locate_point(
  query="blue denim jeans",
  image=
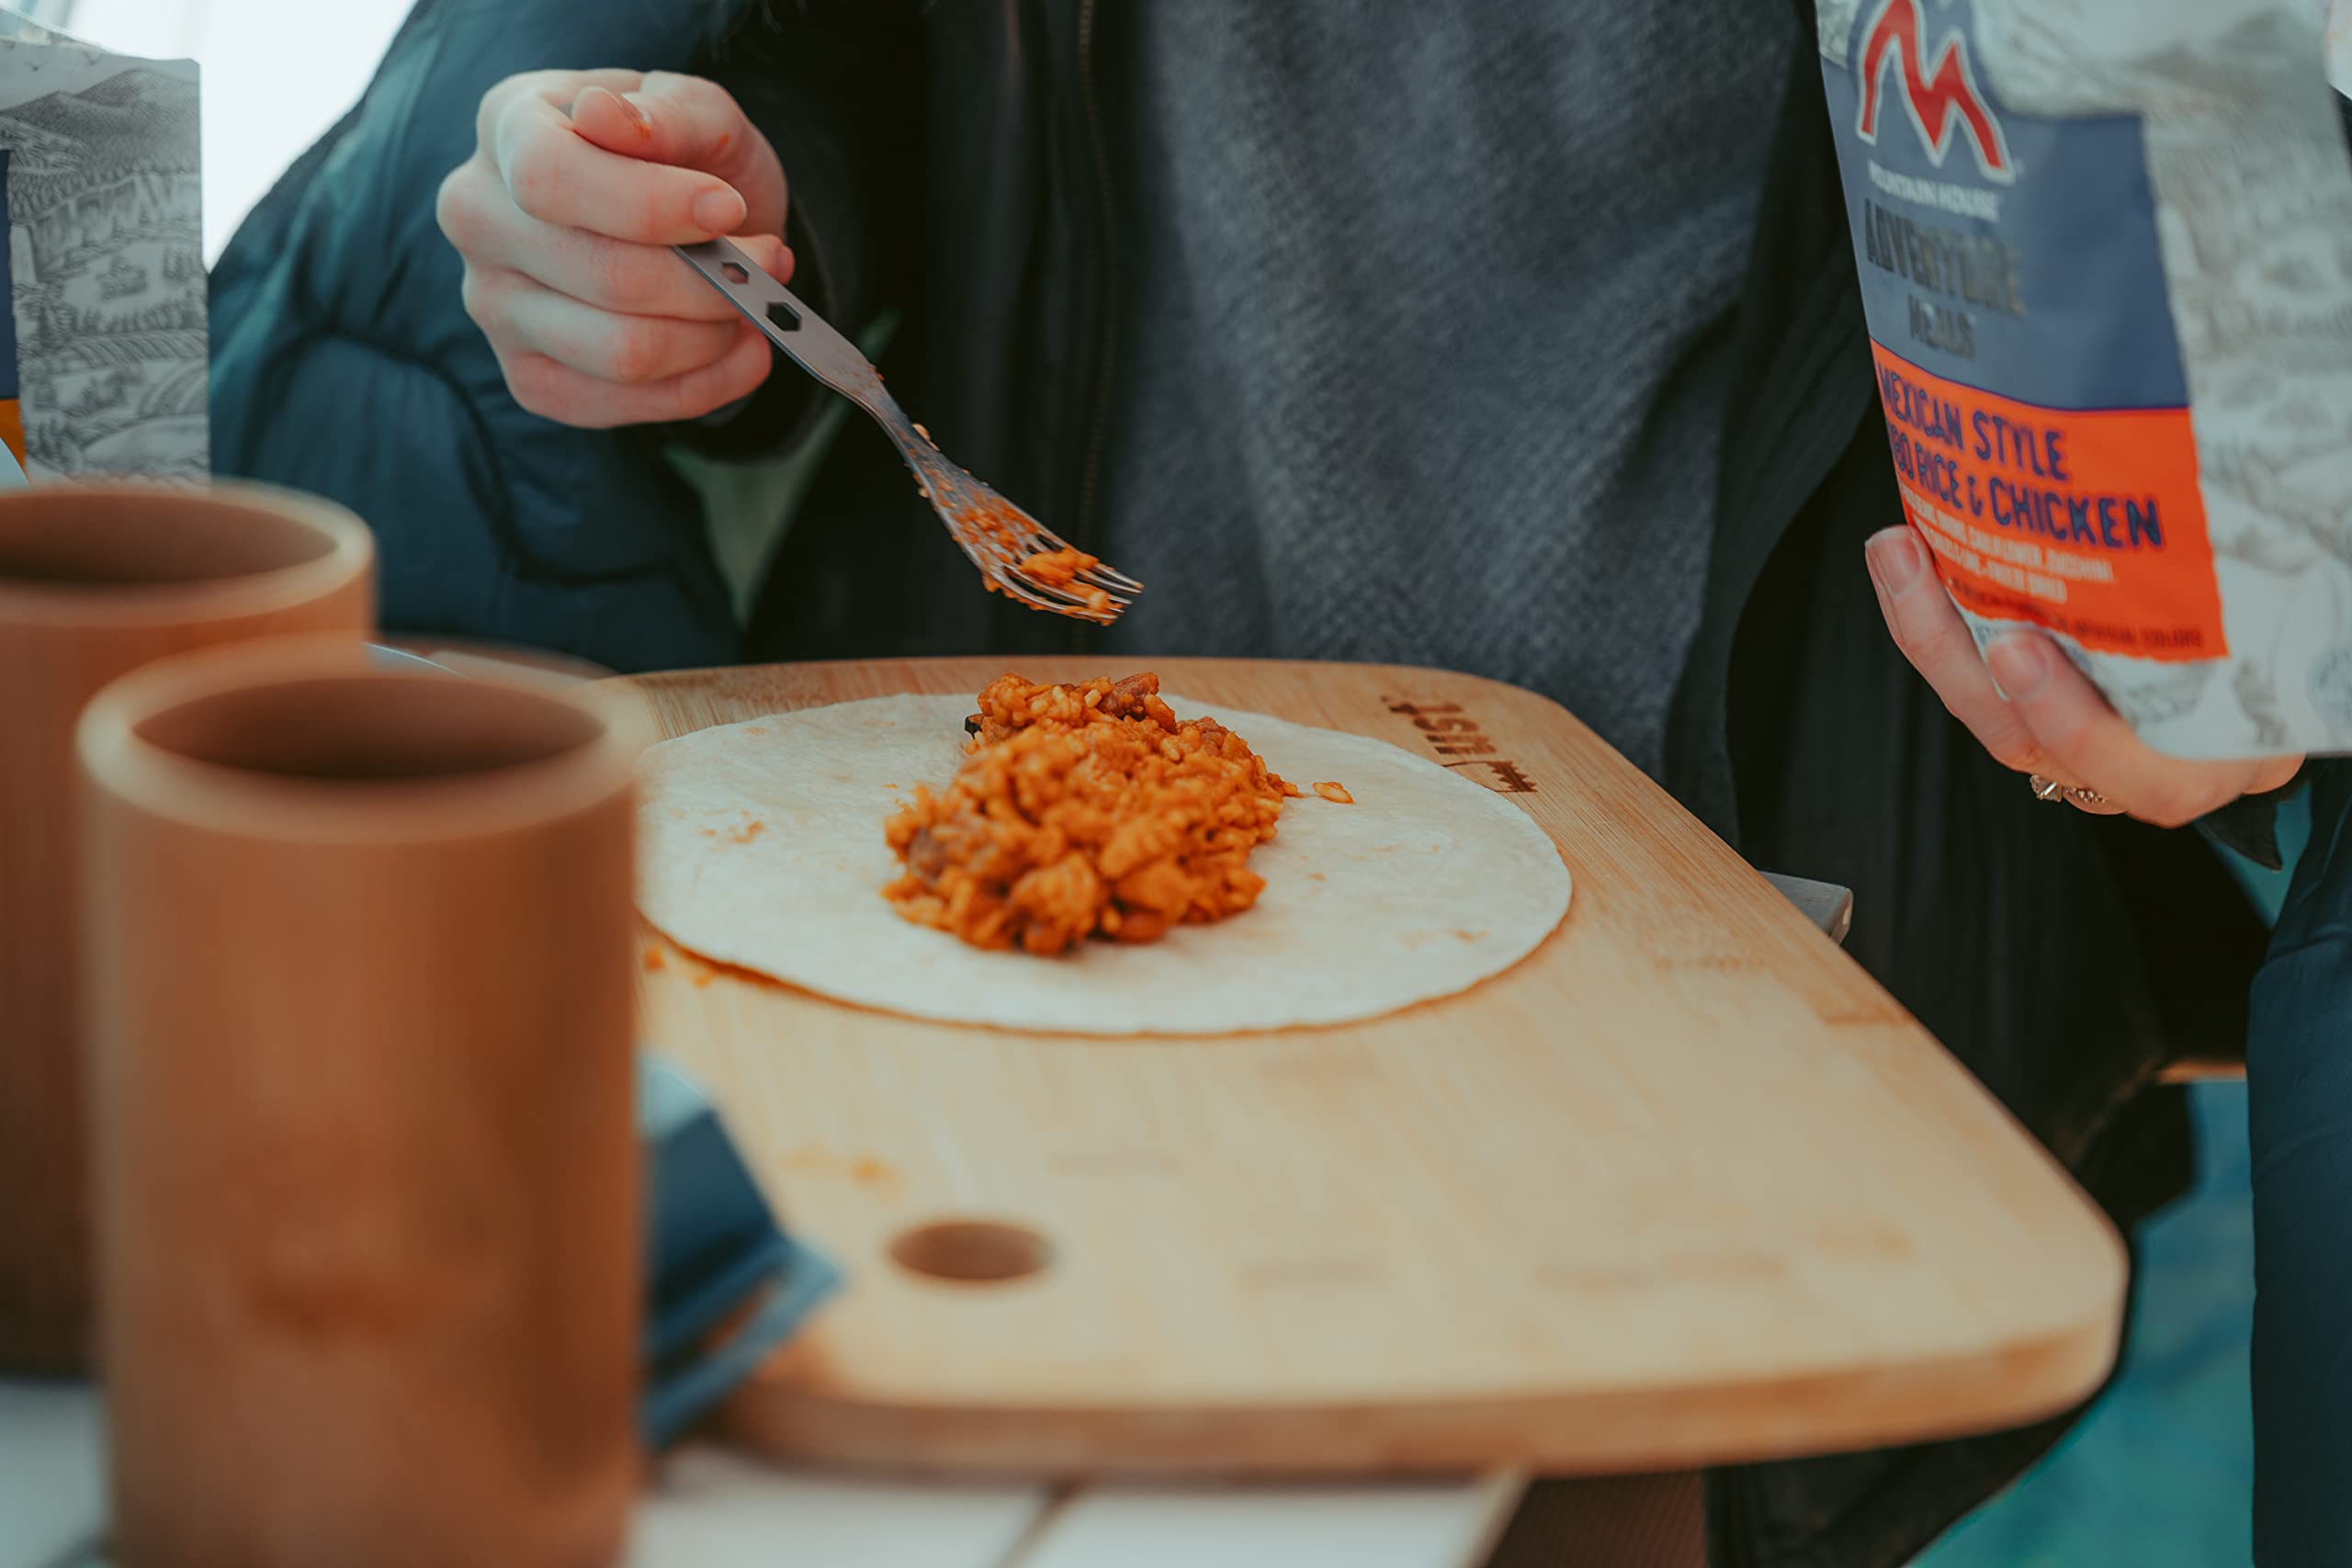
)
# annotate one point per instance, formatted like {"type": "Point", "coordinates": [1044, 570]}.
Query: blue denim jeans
{"type": "Point", "coordinates": [2298, 1087]}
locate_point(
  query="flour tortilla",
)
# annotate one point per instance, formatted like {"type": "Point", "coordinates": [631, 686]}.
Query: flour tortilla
{"type": "Point", "coordinates": [760, 844]}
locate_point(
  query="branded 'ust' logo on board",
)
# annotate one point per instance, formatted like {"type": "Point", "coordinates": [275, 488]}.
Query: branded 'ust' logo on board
{"type": "Point", "coordinates": [1943, 96]}
{"type": "Point", "coordinates": [1452, 733]}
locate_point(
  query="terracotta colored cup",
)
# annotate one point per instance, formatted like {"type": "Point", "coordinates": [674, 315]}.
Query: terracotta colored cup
{"type": "Point", "coordinates": [96, 581]}
{"type": "Point", "coordinates": [362, 1020]}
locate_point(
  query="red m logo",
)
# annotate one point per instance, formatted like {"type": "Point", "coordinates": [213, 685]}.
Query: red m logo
{"type": "Point", "coordinates": [1935, 97]}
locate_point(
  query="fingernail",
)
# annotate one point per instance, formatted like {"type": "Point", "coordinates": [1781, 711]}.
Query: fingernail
{"type": "Point", "coordinates": [1894, 557]}
{"type": "Point", "coordinates": [719, 211]}
{"type": "Point", "coordinates": [2021, 663]}
{"type": "Point", "coordinates": [636, 115]}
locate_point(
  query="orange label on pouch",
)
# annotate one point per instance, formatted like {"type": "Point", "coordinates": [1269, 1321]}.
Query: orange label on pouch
{"type": "Point", "coordinates": [2090, 524]}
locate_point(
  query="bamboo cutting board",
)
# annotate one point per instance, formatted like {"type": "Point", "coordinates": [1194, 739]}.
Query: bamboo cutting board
{"type": "Point", "coordinates": [1683, 1187]}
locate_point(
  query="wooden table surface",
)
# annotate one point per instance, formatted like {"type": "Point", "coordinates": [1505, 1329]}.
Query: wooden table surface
{"type": "Point", "coordinates": [1684, 1187]}
{"type": "Point", "coordinates": [709, 1507]}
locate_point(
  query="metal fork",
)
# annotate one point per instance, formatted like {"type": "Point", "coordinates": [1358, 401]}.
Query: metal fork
{"type": "Point", "coordinates": [998, 536]}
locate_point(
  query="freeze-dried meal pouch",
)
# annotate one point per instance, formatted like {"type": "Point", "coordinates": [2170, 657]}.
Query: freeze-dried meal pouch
{"type": "Point", "coordinates": [2106, 259]}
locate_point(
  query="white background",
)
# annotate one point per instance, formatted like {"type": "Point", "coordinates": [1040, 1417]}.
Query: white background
{"type": "Point", "coordinates": [276, 73]}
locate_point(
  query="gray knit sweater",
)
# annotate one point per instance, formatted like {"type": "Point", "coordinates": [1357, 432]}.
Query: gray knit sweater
{"type": "Point", "coordinates": [1424, 330]}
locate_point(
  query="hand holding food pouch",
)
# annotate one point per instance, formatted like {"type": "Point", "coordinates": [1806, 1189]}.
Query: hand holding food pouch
{"type": "Point", "coordinates": [2106, 259]}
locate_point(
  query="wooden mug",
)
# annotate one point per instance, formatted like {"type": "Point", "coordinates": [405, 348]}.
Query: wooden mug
{"type": "Point", "coordinates": [96, 581]}
{"type": "Point", "coordinates": [362, 1011]}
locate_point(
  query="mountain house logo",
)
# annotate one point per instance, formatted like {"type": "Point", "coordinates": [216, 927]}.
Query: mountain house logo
{"type": "Point", "coordinates": [1937, 97]}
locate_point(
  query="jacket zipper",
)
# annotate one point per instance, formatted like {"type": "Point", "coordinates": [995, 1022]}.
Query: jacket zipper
{"type": "Point", "coordinates": [1098, 419]}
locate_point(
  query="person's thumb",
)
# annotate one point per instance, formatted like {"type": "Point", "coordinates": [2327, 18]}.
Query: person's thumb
{"type": "Point", "coordinates": [688, 123]}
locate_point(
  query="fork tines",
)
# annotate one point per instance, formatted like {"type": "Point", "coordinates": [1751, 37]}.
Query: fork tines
{"type": "Point", "coordinates": [999, 538]}
{"type": "Point", "coordinates": [1097, 593]}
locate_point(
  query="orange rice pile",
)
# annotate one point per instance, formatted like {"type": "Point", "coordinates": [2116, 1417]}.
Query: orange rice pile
{"type": "Point", "coordinates": [1085, 811]}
